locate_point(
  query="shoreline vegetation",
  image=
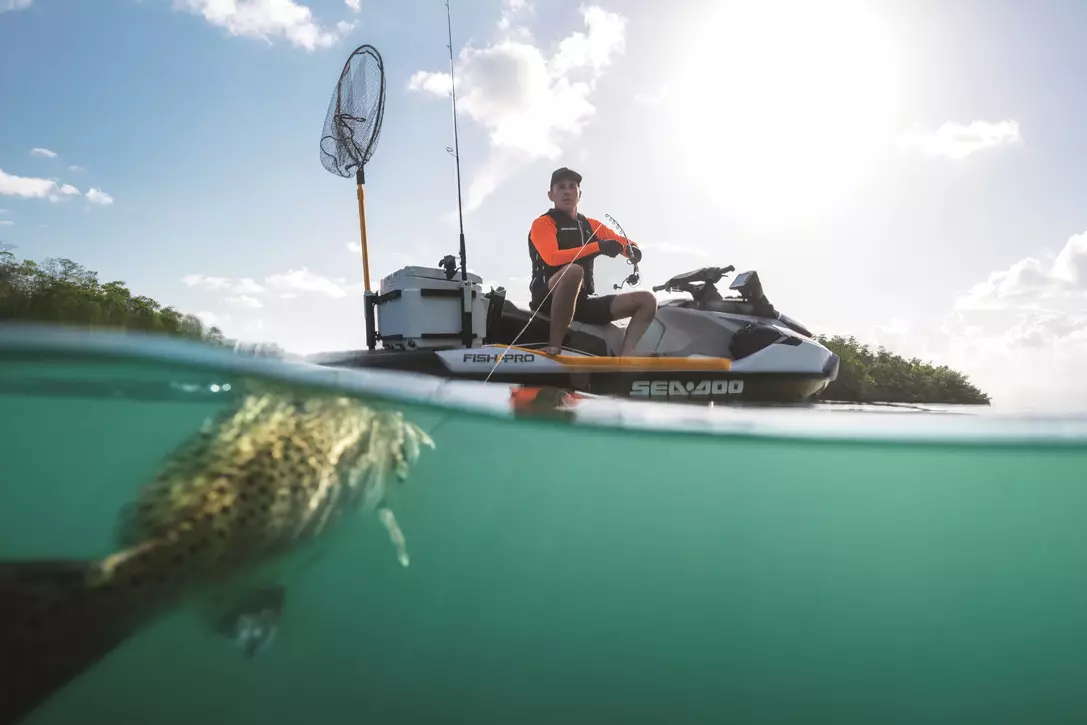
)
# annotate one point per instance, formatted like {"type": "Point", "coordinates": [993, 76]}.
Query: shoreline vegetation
{"type": "Point", "coordinates": [63, 291]}
{"type": "Point", "coordinates": [880, 376]}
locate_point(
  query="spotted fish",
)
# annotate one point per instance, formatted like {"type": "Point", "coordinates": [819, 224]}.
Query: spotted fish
{"type": "Point", "coordinates": [250, 498]}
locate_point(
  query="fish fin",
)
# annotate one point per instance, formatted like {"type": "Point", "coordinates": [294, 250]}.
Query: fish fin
{"type": "Point", "coordinates": [53, 627]}
{"type": "Point", "coordinates": [271, 598]}
{"type": "Point", "coordinates": [396, 536]}
{"type": "Point", "coordinates": [252, 619]}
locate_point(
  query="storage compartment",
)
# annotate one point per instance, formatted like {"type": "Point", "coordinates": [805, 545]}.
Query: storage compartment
{"type": "Point", "coordinates": [417, 307]}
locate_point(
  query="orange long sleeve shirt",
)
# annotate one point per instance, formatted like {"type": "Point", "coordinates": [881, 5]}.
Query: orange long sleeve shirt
{"type": "Point", "coordinates": [544, 236]}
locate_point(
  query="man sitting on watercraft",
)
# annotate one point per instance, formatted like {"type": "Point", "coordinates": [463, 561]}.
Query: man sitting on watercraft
{"type": "Point", "coordinates": [562, 245]}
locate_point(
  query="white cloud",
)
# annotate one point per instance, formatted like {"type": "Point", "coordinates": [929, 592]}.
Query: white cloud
{"type": "Point", "coordinates": [211, 318]}
{"type": "Point", "coordinates": [43, 152]}
{"type": "Point", "coordinates": [97, 196]}
{"type": "Point", "coordinates": [287, 283]}
{"type": "Point", "coordinates": [353, 4]}
{"type": "Point", "coordinates": [670, 248]}
{"type": "Point", "coordinates": [62, 191]}
{"type": "Point", "coordinates": [6, 223]}
{"type": "Point", "coordinates": [593, 49]}
{"type": "Point", "coordinates": [431, 82]}
{"type": "Point", "coordinates": [8, 5]}
{"type": "Point", "coordinates": [207, 282]}
{"type": "Point", "coordinates": [530, 103]}
{"type": "Point", "coordinates": [955, 140]}
{"type": "Point", "coordinates": [303, 280]}
{"type": "Point", "coordinates": [241, 289]}
{"type": "Point", "coordinates": [248, 286]}
{"type": "Point", "coordinates": [29, 187]}
{"type": "Point", "coordinates": [244, 301]}
{"type": "Point", "coordinates": [320, 314]}
{"type": "Point", "coordinates": [510, 9]}
{"type": "Point", "coordinates": [652, 99]}
{"type": "Point", "coordinates": [265, 19]}
{"type": "Point", "coordinates": [1021, 334]}
{"type": "Point", "coordinates": [1032, 284]}
{"type": "Point", "coordinates": [75, 167]}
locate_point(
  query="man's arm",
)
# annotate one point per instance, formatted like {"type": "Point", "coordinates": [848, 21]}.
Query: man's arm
{"type": "Point", "coordinates": [603, 231]}
{"type": "Point", "coordinates": [543, 237]}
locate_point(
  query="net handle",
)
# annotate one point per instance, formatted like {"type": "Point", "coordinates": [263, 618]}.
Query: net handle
{"type": "Point", "coordinates": [360, 180]}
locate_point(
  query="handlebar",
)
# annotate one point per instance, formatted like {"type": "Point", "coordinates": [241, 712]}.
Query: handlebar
{"type": "Point", "coordinates": [712, 274]}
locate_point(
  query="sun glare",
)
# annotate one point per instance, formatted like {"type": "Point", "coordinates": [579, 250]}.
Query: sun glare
{"type": "Point", "coordinates": [785, 105]}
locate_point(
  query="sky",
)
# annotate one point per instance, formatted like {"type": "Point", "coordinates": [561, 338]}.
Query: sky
{"type": "Point", "coordinates": [906, 171]}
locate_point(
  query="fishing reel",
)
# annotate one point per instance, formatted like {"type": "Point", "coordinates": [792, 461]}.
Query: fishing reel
{"type": "Point", "coordinates": [449, 264]}
{"type": "Point", "coordinates": [634, 277]}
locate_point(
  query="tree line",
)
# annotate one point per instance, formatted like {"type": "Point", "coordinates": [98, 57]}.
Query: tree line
{"type": "Point", "coordinates": [867, 375]}
{"type": "Point", "coordinates": [63, 291]}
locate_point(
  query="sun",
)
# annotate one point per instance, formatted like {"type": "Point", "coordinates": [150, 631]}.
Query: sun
{"type": "Point", "coordinates": [782, 107]}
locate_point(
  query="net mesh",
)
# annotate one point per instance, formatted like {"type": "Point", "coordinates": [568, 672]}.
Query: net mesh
{"type": "Point", "coordinates": [353, 122]}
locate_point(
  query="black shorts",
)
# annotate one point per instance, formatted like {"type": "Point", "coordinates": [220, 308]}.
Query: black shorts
{"type": "Point", "coordinates": [592, 310]}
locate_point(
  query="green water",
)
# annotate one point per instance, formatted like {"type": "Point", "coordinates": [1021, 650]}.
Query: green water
{"type": "Point", "coordinates": [664, 567]}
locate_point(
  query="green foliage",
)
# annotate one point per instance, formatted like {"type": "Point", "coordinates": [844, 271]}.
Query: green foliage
{"type": "Point", "coordinates": [880, 376]}
{"type": "Point", "coordinates": [62, 291]}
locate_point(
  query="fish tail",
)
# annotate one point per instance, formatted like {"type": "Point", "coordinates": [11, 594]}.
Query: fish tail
{"type": "Point", "coordinates": [56, 621]}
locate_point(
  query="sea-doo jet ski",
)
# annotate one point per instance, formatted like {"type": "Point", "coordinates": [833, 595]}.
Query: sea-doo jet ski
{"type": "Point", "coordinates": [707, 348]}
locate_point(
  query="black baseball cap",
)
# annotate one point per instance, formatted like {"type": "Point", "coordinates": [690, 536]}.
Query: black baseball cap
{"type": "Point", "coordinates": [564, 173]}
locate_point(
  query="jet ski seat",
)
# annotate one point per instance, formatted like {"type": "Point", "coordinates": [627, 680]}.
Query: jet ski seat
{"type": "Point", "coordinates": [592, 339]}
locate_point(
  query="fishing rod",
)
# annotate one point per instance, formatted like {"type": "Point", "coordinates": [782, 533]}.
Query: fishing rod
{"type": "Point", "coordinates": [466, 302]}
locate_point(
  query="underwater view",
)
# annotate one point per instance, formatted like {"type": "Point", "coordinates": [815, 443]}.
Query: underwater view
{"type": "Point", "coordinates": [299, 427]}
{"type": "Point", "coordinates": [588, 560]}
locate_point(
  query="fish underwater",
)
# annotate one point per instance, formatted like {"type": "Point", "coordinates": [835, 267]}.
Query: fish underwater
{"type": "Point", "coordinates": [252, 497]}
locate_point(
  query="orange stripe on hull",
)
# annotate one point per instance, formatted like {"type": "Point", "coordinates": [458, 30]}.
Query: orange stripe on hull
{"type": "Point", "coordinates": [635, 364]}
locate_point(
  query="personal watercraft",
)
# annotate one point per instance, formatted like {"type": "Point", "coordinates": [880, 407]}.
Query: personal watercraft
{"type": "Point", "coordinates": [702, 349]}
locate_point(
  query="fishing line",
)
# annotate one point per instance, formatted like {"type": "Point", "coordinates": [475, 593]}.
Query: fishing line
{"type": "Point", "coordinates": [550, 289]}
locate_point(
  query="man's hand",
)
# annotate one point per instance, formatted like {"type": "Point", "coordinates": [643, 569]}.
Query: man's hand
{"type": "Point", "coordinates": [611, 247]}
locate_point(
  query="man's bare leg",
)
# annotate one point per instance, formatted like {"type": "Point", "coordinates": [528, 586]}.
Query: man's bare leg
{"type": "Point", "coordinates": [640, 307]}
{"type": "Point", "coordinates": [565, 285]}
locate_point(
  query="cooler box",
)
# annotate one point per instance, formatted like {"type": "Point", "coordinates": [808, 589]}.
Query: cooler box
{"type": "Point", "coordinates": [417, 307]}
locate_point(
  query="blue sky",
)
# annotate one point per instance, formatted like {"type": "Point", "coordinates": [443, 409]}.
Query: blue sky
{"type": "Point", "coordinates": [906, 171]}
